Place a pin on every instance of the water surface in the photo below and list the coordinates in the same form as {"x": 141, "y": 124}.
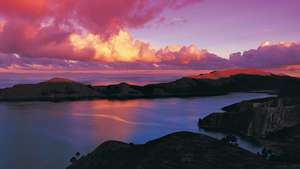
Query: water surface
{"x": 45, "y": 135}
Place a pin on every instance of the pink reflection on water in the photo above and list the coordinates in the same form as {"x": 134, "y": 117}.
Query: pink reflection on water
{"x": 116, "y": 120}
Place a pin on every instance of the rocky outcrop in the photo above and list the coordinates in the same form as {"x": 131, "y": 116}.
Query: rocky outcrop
{"x": 183, "y": 150}
{"x": 272, "y": 116}
{"x": 256, "y": 118}
{"x": 284, "y": 144}
{"x": 274, "y": 122}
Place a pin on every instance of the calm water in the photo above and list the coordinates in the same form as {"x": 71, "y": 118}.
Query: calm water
{"x": 44, "y": 135}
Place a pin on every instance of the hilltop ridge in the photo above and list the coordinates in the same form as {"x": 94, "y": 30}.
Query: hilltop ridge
{"x": 231, "y": 72}
{"x": 59, "y": 80}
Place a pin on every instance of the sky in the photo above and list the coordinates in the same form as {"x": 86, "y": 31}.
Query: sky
{"x": 53, "y": 35}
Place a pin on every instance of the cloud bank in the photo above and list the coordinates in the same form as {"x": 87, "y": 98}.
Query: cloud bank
{"x": 77, "y": 30}
{"x": 81, "y": 35}
{"x": 268, "y": 55}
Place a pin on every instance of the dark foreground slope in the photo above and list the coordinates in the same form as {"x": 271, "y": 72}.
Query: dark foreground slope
{"x": 181, "y": 150}
{"x": 215, "y": 83}
{"x": 274, "y": 122}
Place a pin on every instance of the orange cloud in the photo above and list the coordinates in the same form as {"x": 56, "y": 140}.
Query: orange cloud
{"x": 181, "y": 54}
{"x": 120, "y": 47}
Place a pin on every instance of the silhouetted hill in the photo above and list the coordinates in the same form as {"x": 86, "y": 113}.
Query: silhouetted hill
{"x": 54, "y": 89}
{"x": 182, "y": 150}
{"x": 244, "y": 81}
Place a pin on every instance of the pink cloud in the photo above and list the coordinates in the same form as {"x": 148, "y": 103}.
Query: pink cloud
{"x": 268, "y": 55}
{"x": 81, "y": 30}
{"x": 24, "y": 8}
{"x": 31, "y": 41}
{"x": 94, "y": 15}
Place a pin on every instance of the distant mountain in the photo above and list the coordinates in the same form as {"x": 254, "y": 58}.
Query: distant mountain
{"x": 59, "y": 80}
{"x": 214, "y": 83}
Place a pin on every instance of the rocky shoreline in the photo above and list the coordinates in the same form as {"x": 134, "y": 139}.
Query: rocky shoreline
{"x": 273, "y": 122}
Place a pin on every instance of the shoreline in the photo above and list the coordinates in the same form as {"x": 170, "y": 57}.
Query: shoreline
{"x": 272, "y": 94}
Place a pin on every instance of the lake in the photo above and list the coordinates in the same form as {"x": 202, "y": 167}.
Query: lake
{"x": 45, "y": 135}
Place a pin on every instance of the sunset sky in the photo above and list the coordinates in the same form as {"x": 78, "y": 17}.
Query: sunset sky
{"x": 54, "y": 35}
